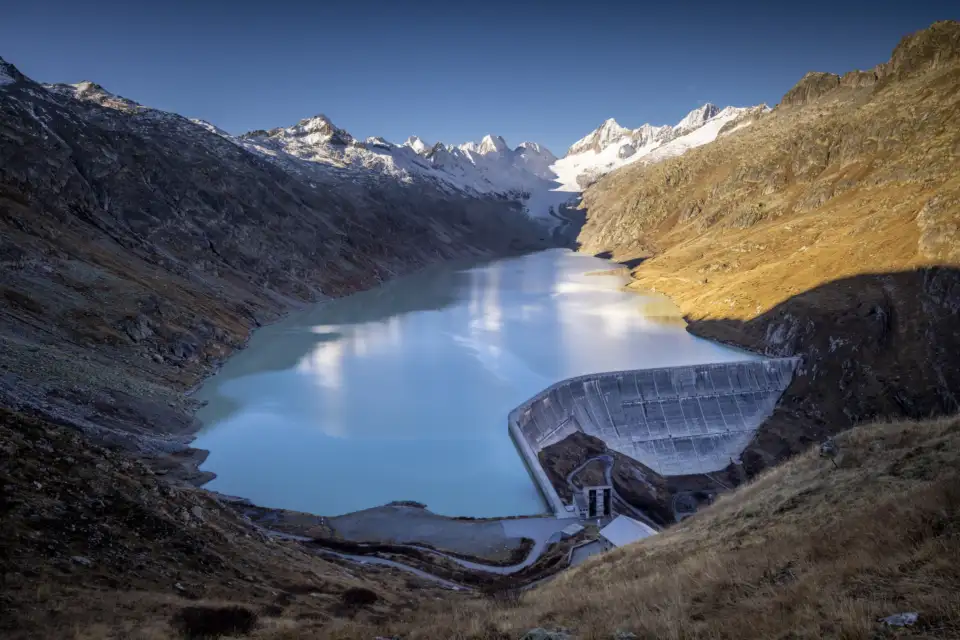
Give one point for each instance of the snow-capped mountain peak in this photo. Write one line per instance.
(696, 118)
(9, 74)
(317, 124)
(611, 146)
(319, 130)
(608, 132)
(492, 144)
(536, 159)
(418, 145)
(534, 149)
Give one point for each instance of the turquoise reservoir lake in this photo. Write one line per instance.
(402, 392)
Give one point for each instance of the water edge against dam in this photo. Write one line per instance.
(403, 392)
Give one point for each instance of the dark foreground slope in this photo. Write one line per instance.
(137, 249)
(94, 545)
(828, 228)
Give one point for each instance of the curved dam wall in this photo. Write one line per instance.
(676, 420)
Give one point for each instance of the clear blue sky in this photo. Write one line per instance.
(456, 70)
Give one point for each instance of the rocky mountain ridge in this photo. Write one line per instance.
(528, 173)
(315, 146)
(828, 229)
(928, 50)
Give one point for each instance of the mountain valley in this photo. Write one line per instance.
(140, 249)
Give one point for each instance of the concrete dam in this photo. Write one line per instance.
(677, 420)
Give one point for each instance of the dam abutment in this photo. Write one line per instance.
(684, 420)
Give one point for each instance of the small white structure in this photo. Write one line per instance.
(624, 530)
(594, 502)
(571, 530)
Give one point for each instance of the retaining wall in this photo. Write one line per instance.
(676, 420)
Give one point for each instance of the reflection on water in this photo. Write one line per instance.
(402, 392)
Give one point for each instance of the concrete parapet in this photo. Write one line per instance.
(677, 420)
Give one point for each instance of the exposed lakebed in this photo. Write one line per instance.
(402, 392)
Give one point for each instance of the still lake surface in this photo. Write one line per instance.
(402, 392)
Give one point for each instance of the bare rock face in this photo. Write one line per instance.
(813, 85)
(857, 79)
(939, 225)
(138, 328)
(930, 48)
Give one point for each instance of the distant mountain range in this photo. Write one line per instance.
(611, 146)
(528, 173)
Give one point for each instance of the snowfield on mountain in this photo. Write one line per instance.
(612, 146)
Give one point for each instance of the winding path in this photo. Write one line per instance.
(622, 505)
(540, 530)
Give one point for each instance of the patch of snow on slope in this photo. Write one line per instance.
(696, 138)
(415, 143)
(591, 157)
(742, 125)
(212, 128)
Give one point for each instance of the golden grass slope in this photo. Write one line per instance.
(859, 180)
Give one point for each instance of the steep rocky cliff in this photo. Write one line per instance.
(829, 228)
(138, 248)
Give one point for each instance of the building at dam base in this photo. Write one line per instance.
(677, 421)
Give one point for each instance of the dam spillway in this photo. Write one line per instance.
(676, 421)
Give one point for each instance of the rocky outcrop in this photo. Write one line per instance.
(857, 79)
(874, 346)
(929, 49)
(811, 86)
(932, 48)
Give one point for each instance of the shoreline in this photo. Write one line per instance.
(191, 472)
(183, 465)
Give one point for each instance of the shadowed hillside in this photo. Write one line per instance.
(94, 545)
(874, 345)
